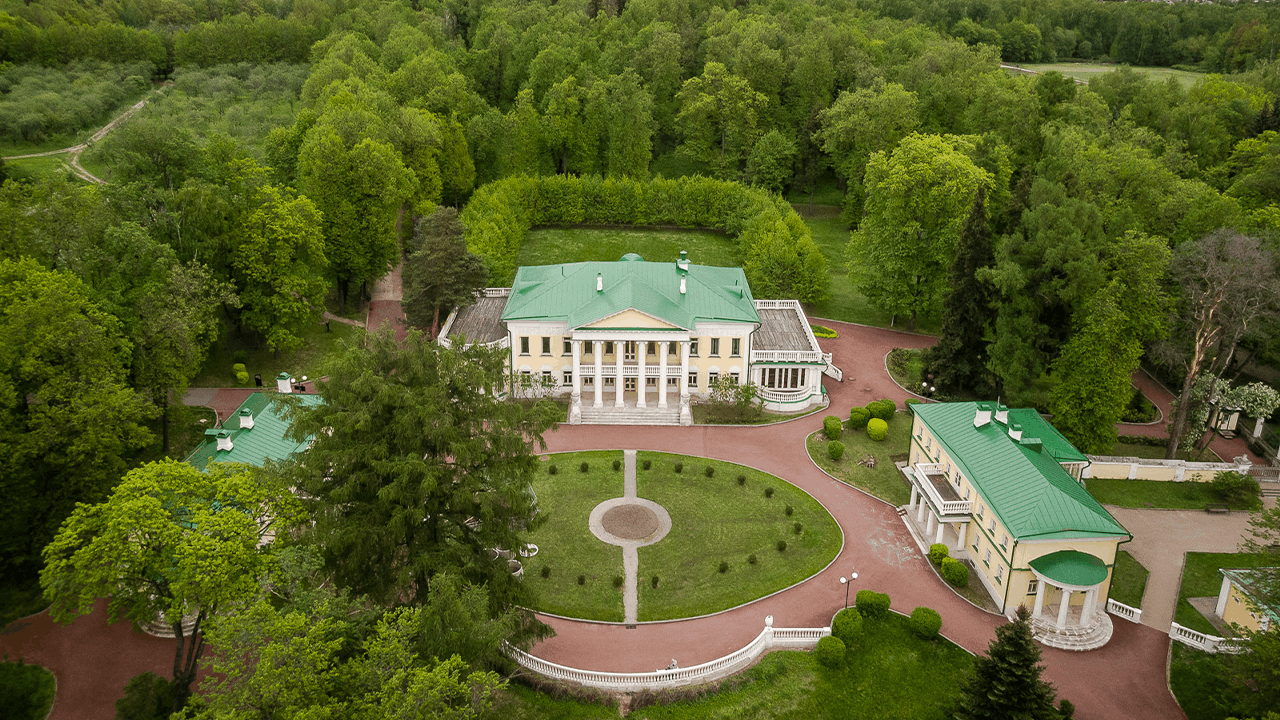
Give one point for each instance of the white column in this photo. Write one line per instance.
(1223, 594)
(663, 349)
(941, 527)
(920, 513)
(1063, 606)
(575, 407)
(619, 349)
(915, 495)
(933, 523)
(1039, 599)
(642, 356)
(1090, 600)
(597, 349)
(686, 418)
(964, 526)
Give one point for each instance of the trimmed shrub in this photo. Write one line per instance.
(798, 528)
(1236, 488)
(790, 511)
(242, 378)
(647, 464)
(954, 572)
(831, 427)
(751, 559)
(584, 467)
(546, 571)
(835, 450)
(847, 626)
(782, 546)
(582, 579)
(823, 332)
(742, 480)
(937, 553)
(238, 368)
(872, 604)
(709, 471)
(617, 465)
(618, 581)
(679, 468)
(653, 582)
(858, 417)
(552, 470)
(724, 567)
(883, 409)
(768, 492)
(240, 356)
(877, 429)
(830, 651)
(926, 622)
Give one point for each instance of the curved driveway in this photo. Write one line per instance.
(1126, 679)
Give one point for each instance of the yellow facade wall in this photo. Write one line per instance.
(1238, 611)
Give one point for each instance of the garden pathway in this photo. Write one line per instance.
(384, 307)
(1125, 679)
(1162, 397)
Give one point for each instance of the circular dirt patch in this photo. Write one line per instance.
(630, 522)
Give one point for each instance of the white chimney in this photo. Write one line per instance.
(683, 263)
(1002, 414)
(246, 419)
(224, 441)
(1015, 432)
(284, 383)
(599, 282)
(683, 287)
(983, 415)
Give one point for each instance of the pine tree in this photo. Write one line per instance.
(958, 363)
(1006, 682)
(439, 272)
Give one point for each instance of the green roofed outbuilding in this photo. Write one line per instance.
(255, 433)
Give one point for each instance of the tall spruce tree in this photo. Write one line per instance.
(1006, 682)
(958, 363)
(439, 272)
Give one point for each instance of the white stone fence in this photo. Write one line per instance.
(768, 639)
(1133, 468)
(1207, 643)
(1121, 610)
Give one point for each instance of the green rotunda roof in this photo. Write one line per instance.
(1071, 567)
(569, 292)
(266, 440)
(1020, 480)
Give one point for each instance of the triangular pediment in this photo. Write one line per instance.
(630, 318)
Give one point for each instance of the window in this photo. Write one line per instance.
(982, 509)
(966, 493)
(568, 347)
(715, 347)
(1033, 587)
(568, 378)
(629, 350)
(673, 382)
(734, 378)
(651, 382)
(546, 346)
(652, 349)
(735, 347)
(524, 345)
(784, 378)
(1004, 543)
(928, 443)
(918, 431)
(986, 559)
(693, 379)
(712, 378)
(991, 526)
(589, 381)
(609, 382)
(1000, 574)
(673, 349)
(915, 459)
(693, 348)
(608, 347)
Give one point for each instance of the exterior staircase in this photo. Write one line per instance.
(630, 415)
(1073, 636)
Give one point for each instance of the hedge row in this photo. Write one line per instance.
(780, 258)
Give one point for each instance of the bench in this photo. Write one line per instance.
(1217, 508)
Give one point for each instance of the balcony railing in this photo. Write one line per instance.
(796, 356)
(785, 396)
(945, 507)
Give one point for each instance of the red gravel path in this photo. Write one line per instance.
(1123, 680)
(1226, 449)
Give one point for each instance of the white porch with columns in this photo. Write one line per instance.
(645, 407)
(1068, 615)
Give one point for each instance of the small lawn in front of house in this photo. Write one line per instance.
(1200, 578)
(1128, 580)
(884, 480)
(1154, 494)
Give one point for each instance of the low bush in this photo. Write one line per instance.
(147, 697)
(882, 409)
(831, 427)
(1236, 488)
(617, 465)
(242, 378)
(647, 464)
(847, 626)
(790, 511)
(724, 567)
(709, 471)
(742, 480)
(679, 468)
(872, 604)
(552, 470)
(858, 417)
(582, 579)
(798, 528)
(238, 368)
(824, 332)
(240, 356)
(768, 492)
(653, 581)
(926, 622)
(937, 553)
(835, 450)
(782, 546)
(751, 559)
(877, 429)
(584, 467)
(830, 651)
(954, 572)
(546, 571)
(618, 581)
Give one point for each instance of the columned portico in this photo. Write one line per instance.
(663, 349)
(618, 382)
(629, 371)
(575, 404)
(642, 378)
(597, 349)
(1065, 614)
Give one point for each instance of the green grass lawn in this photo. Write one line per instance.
(1200, 578)
(908, 376)
(33, 168)
(518, 702)
(565, 543)
(1153, 493)
(1088, 71)
(1156, 452)
(1128, 580)
(309, 360)
(550, 246)
(717, 520)
(26, 690)
(185, 432)
(702, 416)
(1197, 680)
(884, 481)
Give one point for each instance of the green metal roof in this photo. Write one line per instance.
(1071, 567)
(568, 292)
(1247, 579)
(1022, 482)
(266, 440)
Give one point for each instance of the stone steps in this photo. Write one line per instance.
(630, 416)
(1074, 637)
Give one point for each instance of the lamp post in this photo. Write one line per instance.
(846, 582)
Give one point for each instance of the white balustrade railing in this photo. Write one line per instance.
(659, 679)
(795, 356)
(1128, 613)
(497, 292)
(778, 305)
(945, 507)
(1201, 641)
(784, 396)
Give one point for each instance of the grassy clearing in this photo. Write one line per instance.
(1128, 580)
(518, 702)
(310, 359)
(1197, 679)
(550, 246)
(908, 373)
(566, 544)
(717, 520)
(38, 167)
(1200, 578)
(1089, 71)
(883, 481)
(185, 432)
(26, 691)
(1154, 494)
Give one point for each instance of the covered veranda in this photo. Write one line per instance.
(1066, 613)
